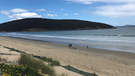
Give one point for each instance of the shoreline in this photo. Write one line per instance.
(82, 46)
(102, 60)
(96, 50)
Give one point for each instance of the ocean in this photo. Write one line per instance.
(120, 39)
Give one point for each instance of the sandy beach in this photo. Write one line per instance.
(102, 62)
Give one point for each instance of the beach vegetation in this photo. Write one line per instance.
(12, 49)
(29, 66)
(21, 70)
(46, 59)
(37, 64)
(53, 62)
(49, 60)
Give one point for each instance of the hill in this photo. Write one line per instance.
(125, 26)
(40, 24)
(129, 26)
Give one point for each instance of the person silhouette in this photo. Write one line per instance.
(69, 45)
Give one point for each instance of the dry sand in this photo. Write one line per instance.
(9, 56)
(102, 62)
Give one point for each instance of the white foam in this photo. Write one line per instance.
(93, 38)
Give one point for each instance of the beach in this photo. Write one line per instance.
(102, 62)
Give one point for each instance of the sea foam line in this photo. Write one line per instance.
(65, 37)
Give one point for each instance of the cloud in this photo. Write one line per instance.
(15, 19)
(19, 13)
(55, 15)
(19, 18)
(62, 9)
(4, 12)
(87, 2)
(51, 11)
(41, 9)
(68, 3)
(80, 1)
(76, 13)
(51, 15)
(104, 1)
(116, 10)
(24, 15)
(66, 14)
(16, 10)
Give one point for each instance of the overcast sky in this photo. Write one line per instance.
(113, 12)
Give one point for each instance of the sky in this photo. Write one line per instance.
(113, 12)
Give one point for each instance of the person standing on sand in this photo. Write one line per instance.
(87, 47)
(69, 45)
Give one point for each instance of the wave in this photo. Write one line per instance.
(47, 36)
(80, 38)
(75, 35)
(102, 35)
(116, 35)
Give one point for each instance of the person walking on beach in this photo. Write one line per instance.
(87, 47)
(69, 45)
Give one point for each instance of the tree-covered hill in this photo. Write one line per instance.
(40, 24)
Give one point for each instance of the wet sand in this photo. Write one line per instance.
(102, 62)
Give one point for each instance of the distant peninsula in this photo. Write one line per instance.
(125, 26)
(40, 24)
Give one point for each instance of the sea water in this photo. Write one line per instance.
(120, 39)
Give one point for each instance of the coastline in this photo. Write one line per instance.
(103, 62)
